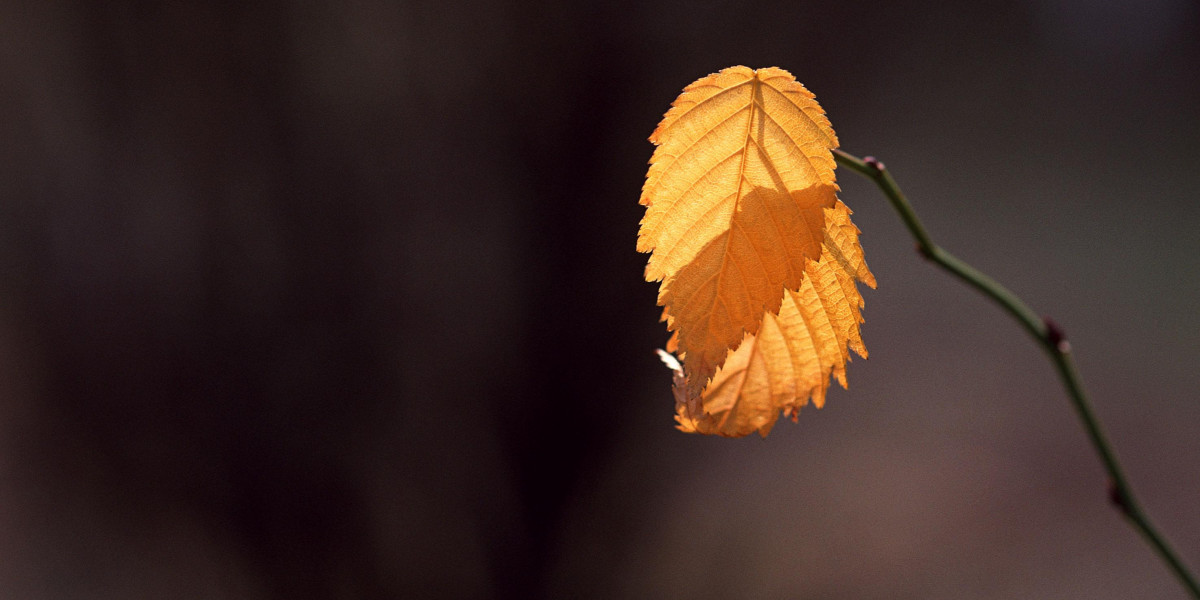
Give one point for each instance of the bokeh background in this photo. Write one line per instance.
(340, 300)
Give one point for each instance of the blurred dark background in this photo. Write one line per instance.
(340, 300)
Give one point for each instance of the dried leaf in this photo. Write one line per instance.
(757, 257)
(736, 197)
(795, 352)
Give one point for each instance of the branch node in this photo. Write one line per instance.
(1049, 335)
(1117, 497)
(1056, 337)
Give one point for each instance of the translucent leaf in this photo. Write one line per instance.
(736, 200)
(795, 353)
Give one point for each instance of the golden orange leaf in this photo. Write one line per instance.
(735, 204)
(795, 353)
(758, 258)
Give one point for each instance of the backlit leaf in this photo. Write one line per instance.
(735, 200)
(795, 353)
(757, 257)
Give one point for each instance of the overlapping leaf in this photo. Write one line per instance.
(757, 257)
(735, 199)
(795, 352)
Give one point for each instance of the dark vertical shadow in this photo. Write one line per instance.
(227, 376)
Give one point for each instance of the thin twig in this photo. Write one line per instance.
(1049, 337)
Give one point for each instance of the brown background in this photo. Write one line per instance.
(339, 300)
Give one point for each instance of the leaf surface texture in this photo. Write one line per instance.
(795, 352)
(756, 255)
(735, 200)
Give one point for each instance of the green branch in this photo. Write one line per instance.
(1049, 337)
